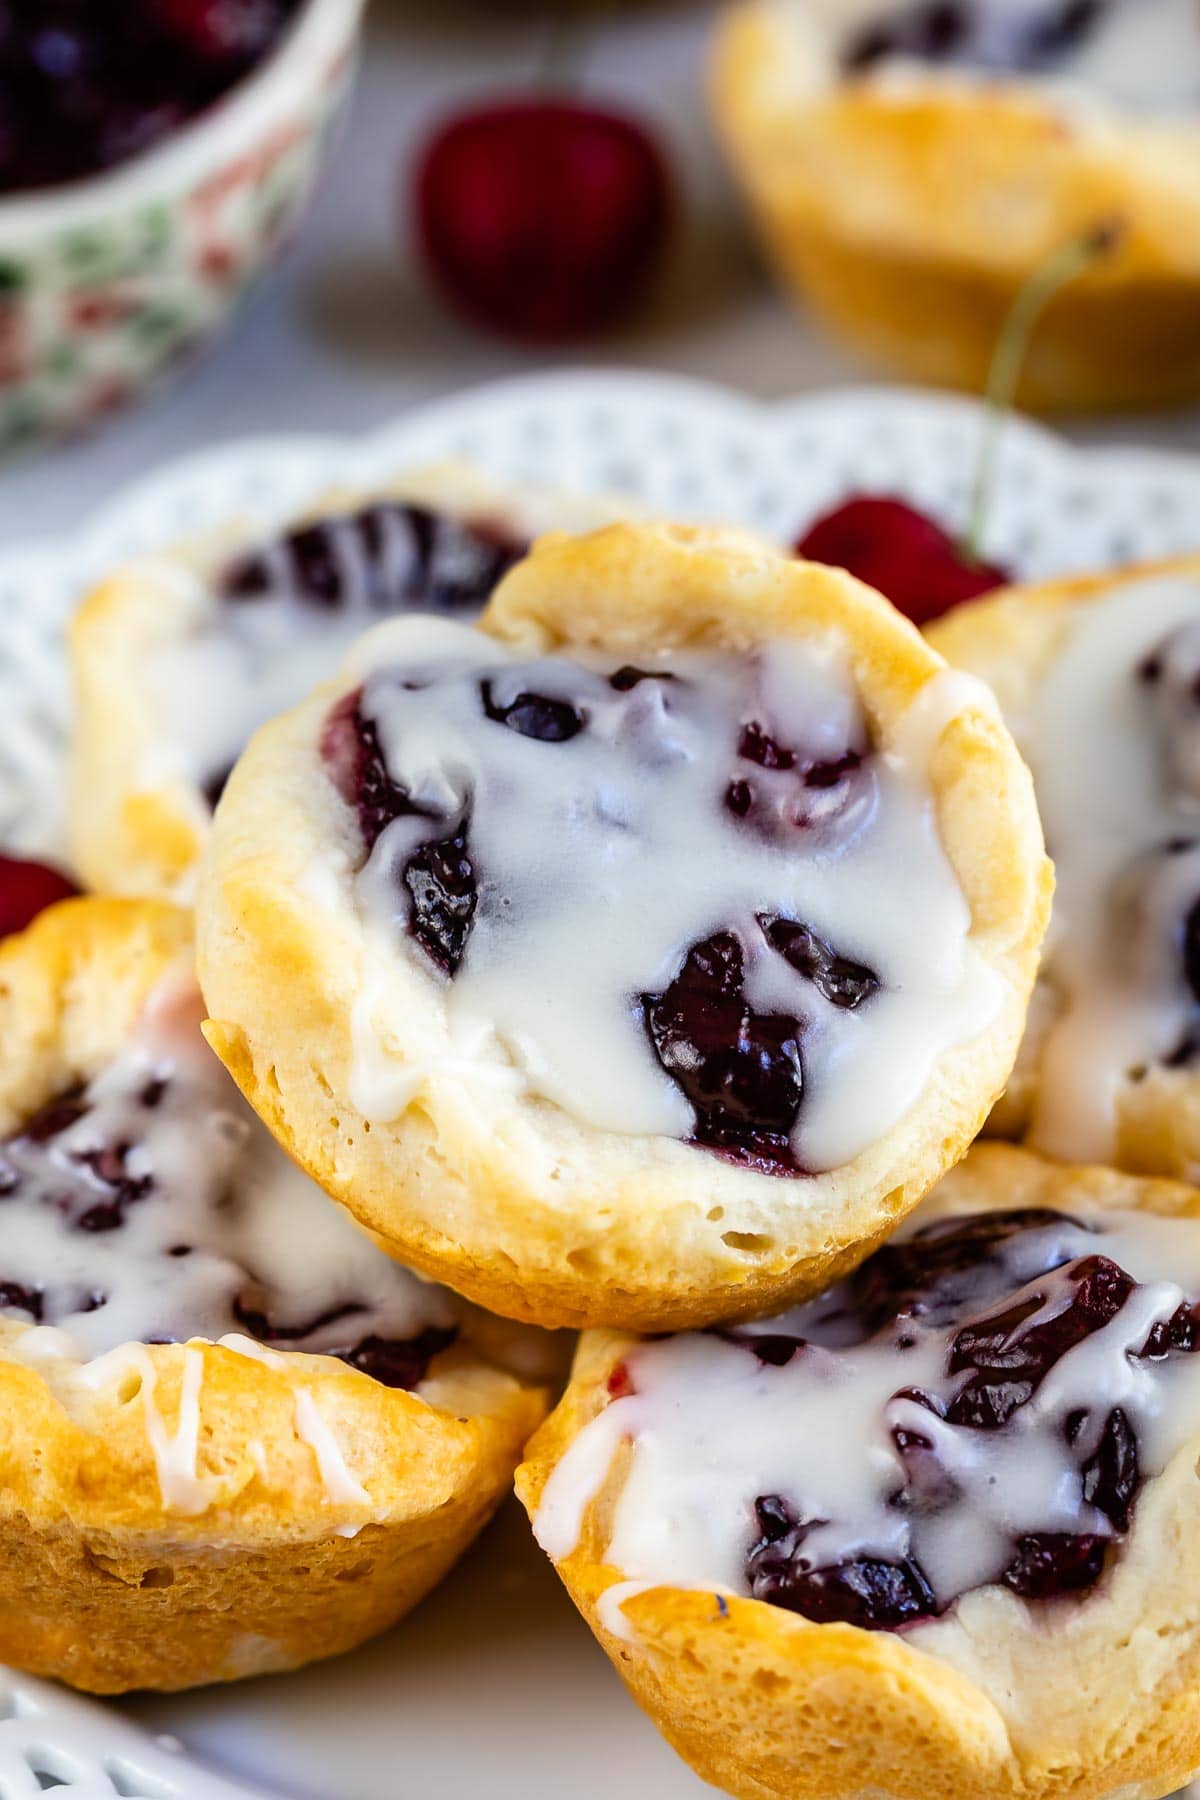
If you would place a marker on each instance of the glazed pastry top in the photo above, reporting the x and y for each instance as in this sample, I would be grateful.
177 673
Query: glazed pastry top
276 621
980 1403
657 888
1113 738
1139 53
151 1206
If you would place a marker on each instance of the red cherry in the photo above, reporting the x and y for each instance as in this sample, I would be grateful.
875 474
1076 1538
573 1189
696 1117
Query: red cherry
906 555
543 219
26 889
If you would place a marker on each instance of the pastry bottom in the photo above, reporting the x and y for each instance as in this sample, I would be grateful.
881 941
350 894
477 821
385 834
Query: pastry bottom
1129 343
114 1611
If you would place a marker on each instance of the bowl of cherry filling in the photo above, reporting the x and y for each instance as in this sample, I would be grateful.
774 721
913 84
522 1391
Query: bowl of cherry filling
1099 677
237 1436
150 164
933 1532
918 160
251 622
643 952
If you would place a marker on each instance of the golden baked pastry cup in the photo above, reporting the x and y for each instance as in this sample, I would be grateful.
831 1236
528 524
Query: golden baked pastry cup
138 824
1010 640
908 214
1091 1699
106 1584
510 1200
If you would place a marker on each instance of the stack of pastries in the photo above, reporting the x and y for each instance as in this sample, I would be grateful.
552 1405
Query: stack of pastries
632 932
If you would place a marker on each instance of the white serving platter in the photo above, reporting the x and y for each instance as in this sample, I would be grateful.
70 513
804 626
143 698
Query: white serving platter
493 1689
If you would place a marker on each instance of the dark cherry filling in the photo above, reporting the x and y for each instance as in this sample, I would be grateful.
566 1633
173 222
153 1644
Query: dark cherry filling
740 1070
388 557
630 676
1007 1358
816 792
353 753
535 716
439 877
1016 1325
107 1167
396 1362
870 1593
933 1274
400 1363
840 981
979 32
15 1298
84 88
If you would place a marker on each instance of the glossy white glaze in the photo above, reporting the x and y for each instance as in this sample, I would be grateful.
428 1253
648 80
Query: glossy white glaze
1114 760
603 858
710 1429
256 1228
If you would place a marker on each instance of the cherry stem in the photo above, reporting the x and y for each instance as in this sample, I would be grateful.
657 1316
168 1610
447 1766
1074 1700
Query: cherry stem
1060 269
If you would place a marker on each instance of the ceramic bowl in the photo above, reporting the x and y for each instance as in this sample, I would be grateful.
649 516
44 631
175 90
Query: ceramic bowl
109 282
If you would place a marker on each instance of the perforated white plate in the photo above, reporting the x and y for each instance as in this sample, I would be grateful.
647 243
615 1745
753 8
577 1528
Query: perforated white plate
493 1688
53 1740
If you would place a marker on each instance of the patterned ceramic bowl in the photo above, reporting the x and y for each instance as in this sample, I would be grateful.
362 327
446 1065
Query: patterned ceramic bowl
107 283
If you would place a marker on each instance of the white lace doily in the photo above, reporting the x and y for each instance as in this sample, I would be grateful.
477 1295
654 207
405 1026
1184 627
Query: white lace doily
680 447
50 1739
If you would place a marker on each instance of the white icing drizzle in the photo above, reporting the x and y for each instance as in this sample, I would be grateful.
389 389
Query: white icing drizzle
1114 761
610 1607
601 860
1140 54
176 1453
254 1226
341 1488
709 1429
312 1428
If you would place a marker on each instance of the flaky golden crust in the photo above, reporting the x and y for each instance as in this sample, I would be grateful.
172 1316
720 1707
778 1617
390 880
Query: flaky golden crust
889 204
110 1578
510 1200
138 825
1097 1699
1010 641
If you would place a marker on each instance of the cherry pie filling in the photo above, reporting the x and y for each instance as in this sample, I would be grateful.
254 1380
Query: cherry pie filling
129 1209
980 1404
732 1021
993 35
83 89
309 593
388 557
